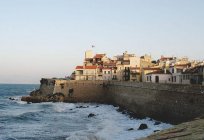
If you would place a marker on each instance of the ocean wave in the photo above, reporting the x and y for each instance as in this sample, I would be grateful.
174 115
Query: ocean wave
63 107
60 121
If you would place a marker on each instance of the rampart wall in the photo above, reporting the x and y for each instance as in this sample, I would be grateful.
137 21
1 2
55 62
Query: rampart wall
163 102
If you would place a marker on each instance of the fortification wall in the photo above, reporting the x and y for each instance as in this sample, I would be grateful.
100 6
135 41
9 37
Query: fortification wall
87 91
164 102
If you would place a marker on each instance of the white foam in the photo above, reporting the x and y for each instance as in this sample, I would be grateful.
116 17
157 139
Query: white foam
17 99
63 107
108 124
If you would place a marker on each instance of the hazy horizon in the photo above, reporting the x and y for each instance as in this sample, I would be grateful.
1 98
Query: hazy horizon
48 38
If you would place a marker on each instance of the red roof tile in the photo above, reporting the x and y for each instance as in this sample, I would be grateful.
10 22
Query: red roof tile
90 67
79 67
151 69
136 68
188 64
99 55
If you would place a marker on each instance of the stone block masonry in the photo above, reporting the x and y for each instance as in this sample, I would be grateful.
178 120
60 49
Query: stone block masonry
163 102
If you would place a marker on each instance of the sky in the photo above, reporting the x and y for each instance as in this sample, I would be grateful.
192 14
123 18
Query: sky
48 38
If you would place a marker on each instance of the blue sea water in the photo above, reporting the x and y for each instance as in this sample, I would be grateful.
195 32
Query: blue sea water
64 121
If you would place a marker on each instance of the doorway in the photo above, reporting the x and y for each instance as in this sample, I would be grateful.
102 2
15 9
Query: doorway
157 79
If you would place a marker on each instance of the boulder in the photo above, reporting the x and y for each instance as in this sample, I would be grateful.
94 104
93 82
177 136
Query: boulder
10 98
130 129
157 123
156 131
91 115
82 107
143 126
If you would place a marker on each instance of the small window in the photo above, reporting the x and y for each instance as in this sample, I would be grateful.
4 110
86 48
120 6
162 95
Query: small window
62 86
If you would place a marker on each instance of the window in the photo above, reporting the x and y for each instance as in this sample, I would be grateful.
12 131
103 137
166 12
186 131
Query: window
172 70
108 72
147 78
104 72
62 86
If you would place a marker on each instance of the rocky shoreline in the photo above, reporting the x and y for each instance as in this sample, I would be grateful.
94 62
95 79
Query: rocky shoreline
185 131
193 130
133 101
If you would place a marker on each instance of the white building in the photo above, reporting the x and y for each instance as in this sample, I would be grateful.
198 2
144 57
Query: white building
162 76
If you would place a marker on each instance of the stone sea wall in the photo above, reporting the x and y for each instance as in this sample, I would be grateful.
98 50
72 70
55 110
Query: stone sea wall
163 102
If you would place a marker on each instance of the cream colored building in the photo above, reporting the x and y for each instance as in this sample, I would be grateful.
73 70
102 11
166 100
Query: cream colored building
107 74
89 54
135 74
125 61
86 73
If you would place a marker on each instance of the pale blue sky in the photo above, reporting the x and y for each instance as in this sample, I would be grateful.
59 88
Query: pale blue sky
47 38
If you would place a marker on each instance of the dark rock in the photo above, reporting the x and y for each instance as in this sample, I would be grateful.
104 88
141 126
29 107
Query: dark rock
91 115
150 119
115 105
10 98
79 107
120 109
82 106
157 123
97 106
28 102
156 131
70 109
143 126
130 129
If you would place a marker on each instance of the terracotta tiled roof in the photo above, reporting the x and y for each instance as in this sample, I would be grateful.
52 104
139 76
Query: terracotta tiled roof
182 65
110 64
151 69
135 68
99 55
88 59
79 67
90 67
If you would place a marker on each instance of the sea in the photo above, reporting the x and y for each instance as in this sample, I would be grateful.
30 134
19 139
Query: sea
65 121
